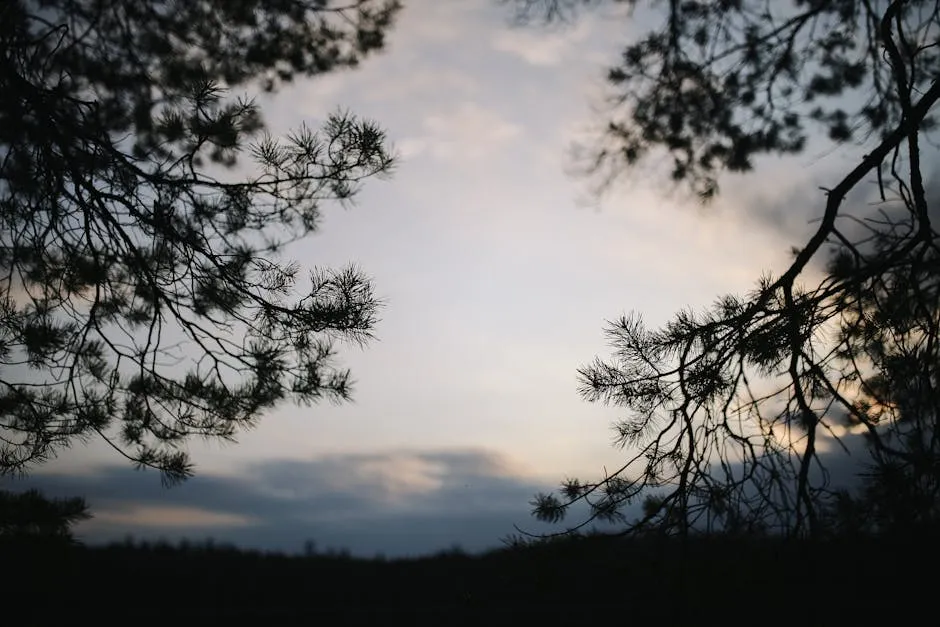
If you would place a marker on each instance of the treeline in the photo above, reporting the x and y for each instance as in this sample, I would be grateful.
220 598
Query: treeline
565 582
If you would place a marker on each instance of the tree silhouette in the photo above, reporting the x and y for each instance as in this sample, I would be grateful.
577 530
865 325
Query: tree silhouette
726 406
891 325
31 516
142 298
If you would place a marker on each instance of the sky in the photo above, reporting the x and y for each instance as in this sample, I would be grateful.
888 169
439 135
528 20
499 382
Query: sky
498 270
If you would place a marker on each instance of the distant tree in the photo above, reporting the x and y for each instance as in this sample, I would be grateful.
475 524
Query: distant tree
142 298
726 406
30 515
310 548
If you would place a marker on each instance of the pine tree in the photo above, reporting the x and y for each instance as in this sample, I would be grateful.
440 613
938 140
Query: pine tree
725 407
143 299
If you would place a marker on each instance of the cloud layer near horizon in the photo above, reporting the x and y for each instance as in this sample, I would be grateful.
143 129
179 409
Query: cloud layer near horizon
395 502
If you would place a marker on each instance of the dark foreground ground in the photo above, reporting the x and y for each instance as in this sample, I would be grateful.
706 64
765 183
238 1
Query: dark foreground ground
589 581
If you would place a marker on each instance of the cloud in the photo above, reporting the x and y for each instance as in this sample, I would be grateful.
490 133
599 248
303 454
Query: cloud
395 502
543 49
467 132
431 21
178 517
793 205
426 84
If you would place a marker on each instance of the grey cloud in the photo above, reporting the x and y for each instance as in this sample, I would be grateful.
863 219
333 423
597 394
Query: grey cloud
397 503
794 212
329 500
